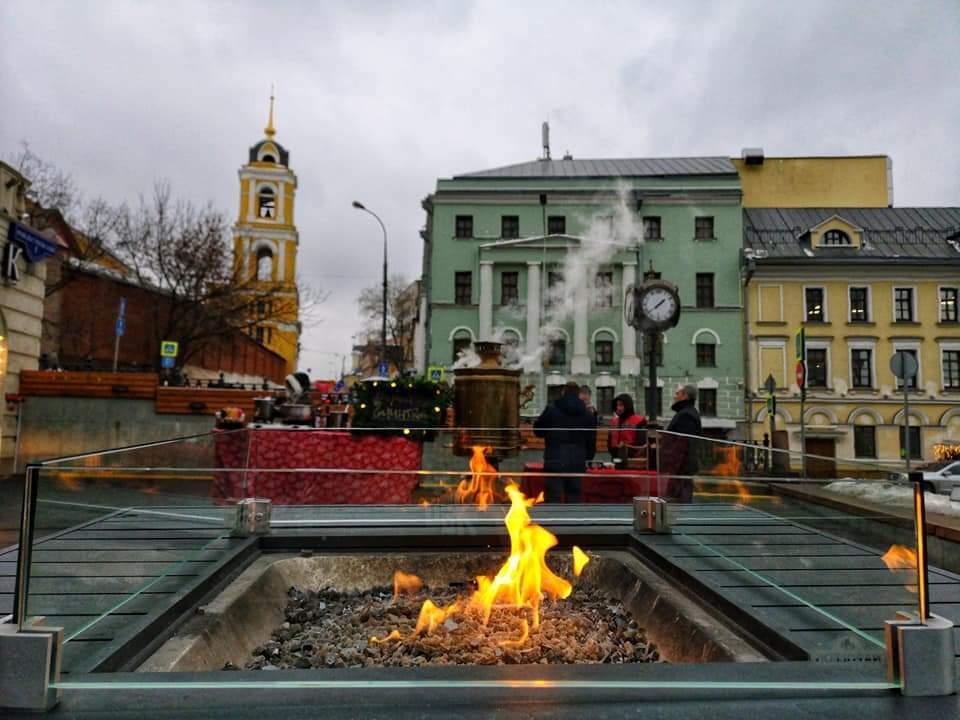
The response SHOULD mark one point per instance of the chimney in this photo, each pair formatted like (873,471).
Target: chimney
(752,156)
(545,134)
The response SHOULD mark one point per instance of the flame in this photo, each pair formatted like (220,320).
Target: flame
(730,466)
(524,577)
(424,503)
(481,487)
(431,616)
(525,633)
(899,559)
(580,559)
(404,583)
(394,635)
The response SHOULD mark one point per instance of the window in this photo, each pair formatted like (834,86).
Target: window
(264,309)
(605,400)
(264,264)
(260,334)
(556,225)
(266,203)
(509,226)
(704,290)
(861,363)
(864,441)
(817,367)
(558,352)
(554,281)
(703,228)
(707,400)
(461,341)
(510,339)
(948,305)
(463,288)
(657,349)
(603,348)
(268,158)
(951,369)
(603,290)
(916,450)
(464,226)
(912,382)
(813,299)
(651,228)
(903,304)
(706,355)
(509,288)
(836,238)
(859,304)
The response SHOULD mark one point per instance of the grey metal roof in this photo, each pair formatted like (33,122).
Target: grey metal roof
(610,167)
(904,233)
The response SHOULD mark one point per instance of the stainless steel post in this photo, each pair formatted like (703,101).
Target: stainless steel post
(920,523)
(27,518)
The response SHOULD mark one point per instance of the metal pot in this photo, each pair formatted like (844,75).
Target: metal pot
(295,413)
(263,409)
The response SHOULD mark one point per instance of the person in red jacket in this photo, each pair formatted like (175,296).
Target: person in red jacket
(628,436)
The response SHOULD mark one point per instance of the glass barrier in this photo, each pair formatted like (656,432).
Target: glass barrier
(808,565)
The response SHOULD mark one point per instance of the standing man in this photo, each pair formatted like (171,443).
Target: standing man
(678,456)
(570,439)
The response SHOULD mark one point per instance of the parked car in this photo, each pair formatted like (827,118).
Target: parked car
(942,477)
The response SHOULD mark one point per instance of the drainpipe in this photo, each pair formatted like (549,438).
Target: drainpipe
(749,269)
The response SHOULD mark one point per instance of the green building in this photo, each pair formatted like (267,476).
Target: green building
(538,255)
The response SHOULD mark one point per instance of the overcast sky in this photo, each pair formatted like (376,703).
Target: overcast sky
(376,100)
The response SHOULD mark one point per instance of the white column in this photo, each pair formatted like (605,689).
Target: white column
(629,362)
(486,300)
(580,363)
(533,306)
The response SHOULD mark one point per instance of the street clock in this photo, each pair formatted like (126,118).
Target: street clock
(652,306)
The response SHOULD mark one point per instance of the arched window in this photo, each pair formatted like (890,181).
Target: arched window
(461,342)
(603,349)
(264,264)
(266,203)
(836,237)
(268,158)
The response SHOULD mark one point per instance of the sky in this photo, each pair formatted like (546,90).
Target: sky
(376,100)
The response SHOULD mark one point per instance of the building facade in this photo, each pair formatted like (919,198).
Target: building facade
(863,283)
(538,255)
(266,241)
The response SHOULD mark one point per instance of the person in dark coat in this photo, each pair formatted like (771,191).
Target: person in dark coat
(570,440)
(678,453)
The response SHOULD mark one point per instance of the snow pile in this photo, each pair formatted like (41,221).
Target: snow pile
(893,494)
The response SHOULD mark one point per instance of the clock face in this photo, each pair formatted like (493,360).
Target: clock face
(659,305)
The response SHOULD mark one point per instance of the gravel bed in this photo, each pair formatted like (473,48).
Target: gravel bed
(328,629)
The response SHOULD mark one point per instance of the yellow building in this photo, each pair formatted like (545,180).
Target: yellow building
(265,245)
(864,283)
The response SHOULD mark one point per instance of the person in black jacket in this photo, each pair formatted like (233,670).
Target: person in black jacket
(570,440)
(678,453)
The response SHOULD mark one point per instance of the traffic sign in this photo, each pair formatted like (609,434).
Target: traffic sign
(383,369)
(121,326)
(770,384)
(167,362)
(903,365)
(436,374)
(801,375)
(169,348)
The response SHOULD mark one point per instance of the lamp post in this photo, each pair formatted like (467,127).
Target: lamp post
(383,327)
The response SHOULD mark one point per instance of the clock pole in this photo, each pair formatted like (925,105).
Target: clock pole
(650,340)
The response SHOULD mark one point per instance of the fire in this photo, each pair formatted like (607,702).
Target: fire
(899,559)
(394,635)
(945,451)
(580,559)
(524,577)
(431,616)
(424,503)
(524,634)
(481,487)
(730,466)
(404,583)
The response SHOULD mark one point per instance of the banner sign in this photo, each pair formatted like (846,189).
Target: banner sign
(35,246)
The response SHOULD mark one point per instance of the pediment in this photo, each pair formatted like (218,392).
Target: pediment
(829,233)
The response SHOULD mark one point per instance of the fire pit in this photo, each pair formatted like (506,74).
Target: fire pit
(260,612)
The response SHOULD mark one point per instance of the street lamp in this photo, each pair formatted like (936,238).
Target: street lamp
(383,327)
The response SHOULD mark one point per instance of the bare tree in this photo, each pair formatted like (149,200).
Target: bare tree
(402,310)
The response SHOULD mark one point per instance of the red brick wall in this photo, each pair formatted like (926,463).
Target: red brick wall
(81,322)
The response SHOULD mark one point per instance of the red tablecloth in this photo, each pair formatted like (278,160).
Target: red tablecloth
(290,449)
(599,489)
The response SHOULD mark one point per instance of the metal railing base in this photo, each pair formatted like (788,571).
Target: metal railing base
(920,656)
(30,666)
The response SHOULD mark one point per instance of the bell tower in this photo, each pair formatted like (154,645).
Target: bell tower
(265,243)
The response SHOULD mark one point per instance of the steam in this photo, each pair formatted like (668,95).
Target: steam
(607,233)
(467,358)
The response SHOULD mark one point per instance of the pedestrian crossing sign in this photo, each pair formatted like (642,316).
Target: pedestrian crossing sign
(169,348)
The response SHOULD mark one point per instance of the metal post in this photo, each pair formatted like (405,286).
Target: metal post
(116,351)
(803,432)
(28,516)
(906,421)
(383,326)
(920,523)
(652,378)
(772,413)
